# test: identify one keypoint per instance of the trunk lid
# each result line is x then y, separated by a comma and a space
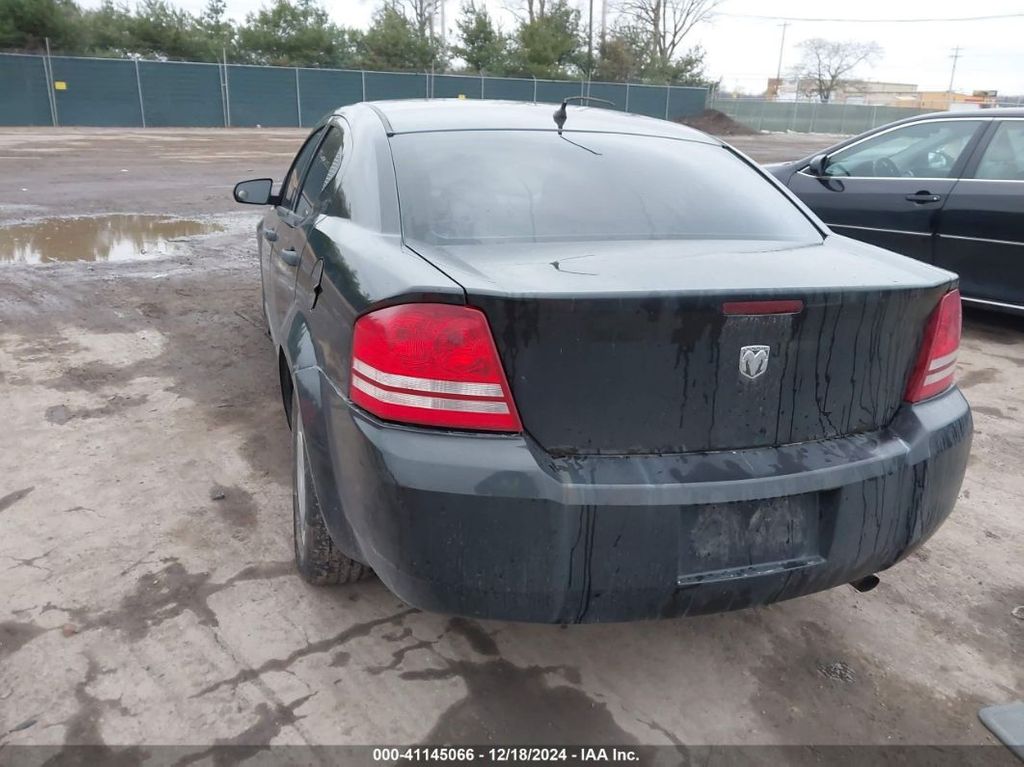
623, 347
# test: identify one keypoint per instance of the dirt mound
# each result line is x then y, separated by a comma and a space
717, 123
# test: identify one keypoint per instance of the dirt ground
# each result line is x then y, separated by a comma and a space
147, 593
717, 123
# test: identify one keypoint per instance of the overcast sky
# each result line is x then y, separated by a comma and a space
744, 51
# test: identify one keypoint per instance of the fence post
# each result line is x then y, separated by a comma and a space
227, 91
481, 86
842, 116
760, 121
626, 108
534, 89
48, 63
814, 113
138, 84
668, 95
298, 98
363, 72
49, 91
874, 117
223, 104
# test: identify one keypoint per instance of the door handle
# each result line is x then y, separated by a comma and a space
923, 197
270, 235
290, 256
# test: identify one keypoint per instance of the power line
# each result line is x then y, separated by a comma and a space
871, 21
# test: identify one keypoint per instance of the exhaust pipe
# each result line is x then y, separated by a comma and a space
865, 584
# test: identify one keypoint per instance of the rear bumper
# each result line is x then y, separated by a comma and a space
492, 526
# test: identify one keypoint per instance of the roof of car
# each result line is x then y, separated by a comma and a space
419, 115
967, 114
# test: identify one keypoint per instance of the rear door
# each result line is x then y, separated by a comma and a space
278, 229
888, 188
981, 235
313, 201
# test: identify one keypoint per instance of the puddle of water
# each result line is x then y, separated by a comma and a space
99, 238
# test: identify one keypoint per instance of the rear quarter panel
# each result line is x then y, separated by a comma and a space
364, 267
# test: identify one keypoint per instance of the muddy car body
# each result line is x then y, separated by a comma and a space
681, 394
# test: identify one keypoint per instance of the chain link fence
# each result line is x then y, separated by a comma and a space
810, 116
77, 91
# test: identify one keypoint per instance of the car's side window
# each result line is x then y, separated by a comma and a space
290, 188
1003, 159
922, 150
322, 167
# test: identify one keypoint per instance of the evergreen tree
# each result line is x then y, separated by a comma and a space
393, 42
551, 45
482, 45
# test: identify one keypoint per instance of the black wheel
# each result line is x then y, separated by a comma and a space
317, 558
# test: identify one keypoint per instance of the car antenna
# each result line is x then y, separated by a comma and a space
560, 114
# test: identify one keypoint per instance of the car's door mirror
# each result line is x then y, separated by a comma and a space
818, 164
255, 191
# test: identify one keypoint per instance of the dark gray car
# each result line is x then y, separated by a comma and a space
612, 373
946, 188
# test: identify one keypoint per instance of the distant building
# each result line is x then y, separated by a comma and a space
871, 92
849, 92
944, 100
881, 94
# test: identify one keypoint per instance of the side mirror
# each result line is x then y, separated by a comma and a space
818, 164
255, 191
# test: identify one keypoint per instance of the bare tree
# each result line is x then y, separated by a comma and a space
666, 23
535, 9
826, 63
421, 13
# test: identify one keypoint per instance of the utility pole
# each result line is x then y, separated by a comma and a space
952, 74
604, 21
590, 43
778, 71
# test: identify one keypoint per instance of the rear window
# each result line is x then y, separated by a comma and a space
484, 186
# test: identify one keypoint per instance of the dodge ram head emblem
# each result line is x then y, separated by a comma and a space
753, 361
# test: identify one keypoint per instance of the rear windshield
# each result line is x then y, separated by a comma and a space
485, 186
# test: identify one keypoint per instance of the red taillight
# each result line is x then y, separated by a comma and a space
933, 371
433, 365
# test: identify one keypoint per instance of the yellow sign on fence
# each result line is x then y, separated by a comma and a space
60, 85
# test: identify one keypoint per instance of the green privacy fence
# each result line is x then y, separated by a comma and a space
810, 117
64, 90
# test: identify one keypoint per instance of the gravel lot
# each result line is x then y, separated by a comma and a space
147, 593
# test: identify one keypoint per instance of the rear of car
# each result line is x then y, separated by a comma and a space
668, 391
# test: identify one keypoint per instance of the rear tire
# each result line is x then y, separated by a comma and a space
317, 558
